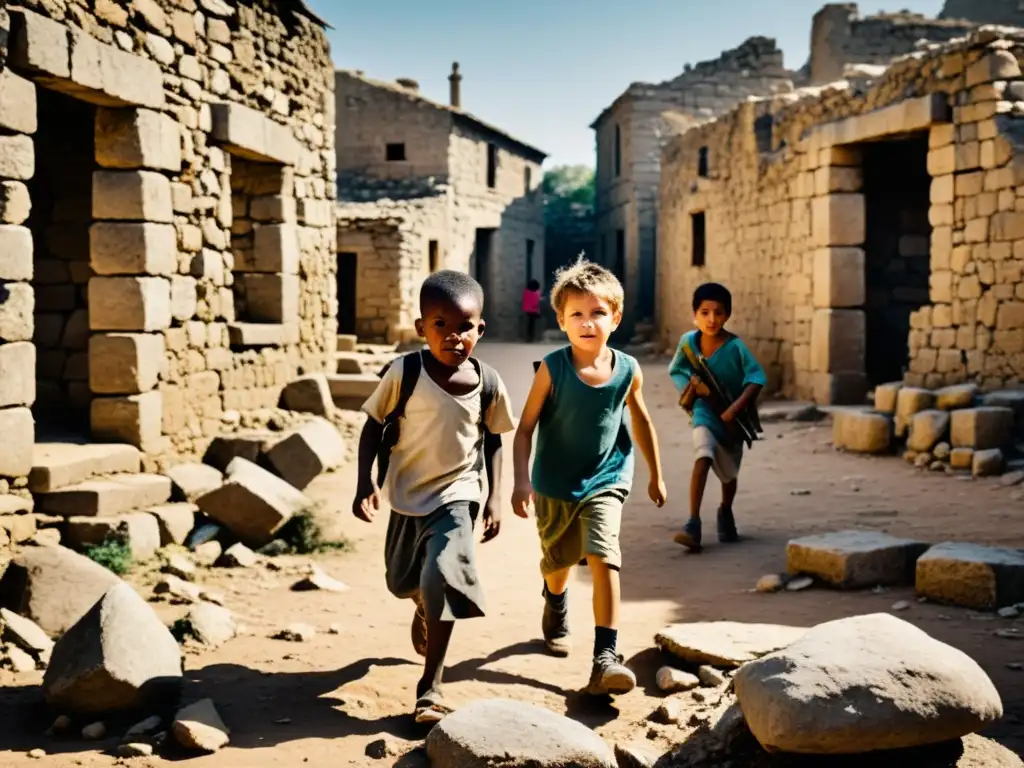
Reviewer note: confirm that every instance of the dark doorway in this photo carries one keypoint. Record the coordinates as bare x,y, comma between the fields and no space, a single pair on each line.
61,214
482,249
619,267
897,250
348,267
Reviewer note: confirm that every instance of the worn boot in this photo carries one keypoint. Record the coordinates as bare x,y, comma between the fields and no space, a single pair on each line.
555,625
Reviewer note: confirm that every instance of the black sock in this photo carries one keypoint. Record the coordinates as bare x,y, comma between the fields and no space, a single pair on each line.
556,601
604,640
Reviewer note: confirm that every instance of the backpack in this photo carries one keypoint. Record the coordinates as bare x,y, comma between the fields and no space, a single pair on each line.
412,363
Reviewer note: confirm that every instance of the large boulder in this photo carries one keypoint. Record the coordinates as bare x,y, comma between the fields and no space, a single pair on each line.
118,657
510,734
314,448
725,643
862,684
53,586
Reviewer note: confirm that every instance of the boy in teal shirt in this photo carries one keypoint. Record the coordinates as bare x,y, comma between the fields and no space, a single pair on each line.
583,469
717,440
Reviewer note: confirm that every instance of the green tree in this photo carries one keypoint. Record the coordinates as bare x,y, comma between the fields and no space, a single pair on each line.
569,186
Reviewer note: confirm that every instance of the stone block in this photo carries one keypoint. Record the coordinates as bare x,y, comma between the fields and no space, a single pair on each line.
991,67
961,458
132,196
139,530
316,213
886,395
347,342
58,465
17,103
987,463
839,277
135,419
855,559
117,248
348,362
107,76
19,431
129,304
16,250
39,44
273,209
105,498
190,481
847,388
956,396
1007,398
981,428
838,219
256,334
17,374
17,157
299,458
276,249
927,429
838,340
911,400
175,521
861,431
271,298
253,504
971,575
137,138
308,394
226,448
125,363
247,133
18,528
15,203
184,297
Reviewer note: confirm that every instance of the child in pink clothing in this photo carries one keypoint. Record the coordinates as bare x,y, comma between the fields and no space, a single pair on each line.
531,307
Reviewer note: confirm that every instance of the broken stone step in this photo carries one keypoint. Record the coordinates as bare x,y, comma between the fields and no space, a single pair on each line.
971,575
246,445
349,362
347,342
106,497
15,505
59,465
855,559
139,530
350,390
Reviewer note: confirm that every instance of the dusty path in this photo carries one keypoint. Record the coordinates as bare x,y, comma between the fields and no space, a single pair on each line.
321,702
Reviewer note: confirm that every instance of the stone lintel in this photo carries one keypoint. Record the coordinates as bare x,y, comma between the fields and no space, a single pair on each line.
247,133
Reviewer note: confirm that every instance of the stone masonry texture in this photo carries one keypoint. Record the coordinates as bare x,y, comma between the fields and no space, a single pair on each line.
424,185
174,192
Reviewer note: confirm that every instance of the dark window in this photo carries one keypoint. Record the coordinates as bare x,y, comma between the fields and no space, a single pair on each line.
432,255
697,239
529,259
618,151
763,127
620,255
492,166
395,152
527,180
702,162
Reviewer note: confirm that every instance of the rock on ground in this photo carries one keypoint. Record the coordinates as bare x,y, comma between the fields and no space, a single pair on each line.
971,575
861,431
862,684
927,429
671,680
190,481
119,656
855,559
198,726
237,556
493,732
53,586
309,451
25,634
725,643
211,625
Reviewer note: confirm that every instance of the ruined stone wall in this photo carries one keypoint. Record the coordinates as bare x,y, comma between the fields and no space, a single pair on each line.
180,91
646,117
391,242
786,224
1007,12
839,37
514,207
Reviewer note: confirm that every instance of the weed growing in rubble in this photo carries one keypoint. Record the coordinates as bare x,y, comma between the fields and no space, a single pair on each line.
113,554
304,536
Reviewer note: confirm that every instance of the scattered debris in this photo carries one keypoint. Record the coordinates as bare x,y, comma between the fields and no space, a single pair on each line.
317,579
296,633
198,726
672,680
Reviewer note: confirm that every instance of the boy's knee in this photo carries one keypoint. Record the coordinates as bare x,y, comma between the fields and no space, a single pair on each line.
702,464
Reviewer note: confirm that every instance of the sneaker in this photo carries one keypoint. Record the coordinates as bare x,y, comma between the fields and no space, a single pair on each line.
419,629
727,526
610,676
689,537
555,626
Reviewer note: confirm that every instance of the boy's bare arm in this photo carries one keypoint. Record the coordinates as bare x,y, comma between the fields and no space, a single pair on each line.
493,459
748,396
522,445
367,494
646,438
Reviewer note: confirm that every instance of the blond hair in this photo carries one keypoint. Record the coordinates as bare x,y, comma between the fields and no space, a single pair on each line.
586,277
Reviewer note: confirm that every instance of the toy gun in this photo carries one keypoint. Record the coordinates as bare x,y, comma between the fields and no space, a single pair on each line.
719,398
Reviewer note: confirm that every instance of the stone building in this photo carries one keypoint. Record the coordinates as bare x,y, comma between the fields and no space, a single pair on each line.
629,136
425,186
867,234
166,219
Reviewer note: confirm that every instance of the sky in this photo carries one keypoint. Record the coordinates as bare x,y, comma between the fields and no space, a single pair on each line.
542,70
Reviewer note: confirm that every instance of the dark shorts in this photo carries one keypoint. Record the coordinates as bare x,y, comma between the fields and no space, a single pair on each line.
433,558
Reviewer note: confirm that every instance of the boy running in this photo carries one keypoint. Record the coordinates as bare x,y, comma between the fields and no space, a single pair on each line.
448,451
717,440
583,470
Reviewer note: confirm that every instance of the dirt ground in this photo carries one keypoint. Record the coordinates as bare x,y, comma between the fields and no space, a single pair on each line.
321,702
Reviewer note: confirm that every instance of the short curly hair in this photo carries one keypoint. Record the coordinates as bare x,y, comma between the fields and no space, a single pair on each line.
450,286
583,277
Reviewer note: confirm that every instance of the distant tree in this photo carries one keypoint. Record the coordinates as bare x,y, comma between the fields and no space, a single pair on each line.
569,186
569,192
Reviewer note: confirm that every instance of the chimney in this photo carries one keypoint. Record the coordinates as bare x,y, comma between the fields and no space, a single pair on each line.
454,89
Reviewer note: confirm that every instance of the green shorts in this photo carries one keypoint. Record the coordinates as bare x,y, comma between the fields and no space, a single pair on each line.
570,531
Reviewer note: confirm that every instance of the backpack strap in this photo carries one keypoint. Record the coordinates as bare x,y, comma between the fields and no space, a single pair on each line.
691,356
411,364
488,390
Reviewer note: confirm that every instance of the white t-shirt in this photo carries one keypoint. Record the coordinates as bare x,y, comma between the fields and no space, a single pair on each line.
436,458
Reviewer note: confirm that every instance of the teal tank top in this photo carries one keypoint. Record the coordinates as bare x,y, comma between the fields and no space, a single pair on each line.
583,445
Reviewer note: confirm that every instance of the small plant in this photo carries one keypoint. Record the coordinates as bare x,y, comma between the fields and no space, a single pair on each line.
114,554
304,536
182,630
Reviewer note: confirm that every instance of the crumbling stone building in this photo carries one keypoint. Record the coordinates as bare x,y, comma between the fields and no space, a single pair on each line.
867,234
166,220
629,136
425,186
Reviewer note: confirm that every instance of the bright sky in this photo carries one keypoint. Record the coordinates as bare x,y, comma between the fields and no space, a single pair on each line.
542,70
